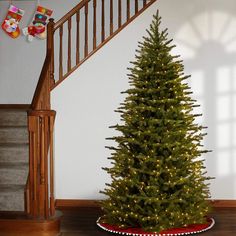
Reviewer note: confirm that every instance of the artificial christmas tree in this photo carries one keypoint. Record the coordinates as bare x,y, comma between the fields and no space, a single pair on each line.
158,178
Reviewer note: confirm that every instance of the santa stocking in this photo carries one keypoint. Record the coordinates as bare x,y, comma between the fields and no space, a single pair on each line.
11,22
38,26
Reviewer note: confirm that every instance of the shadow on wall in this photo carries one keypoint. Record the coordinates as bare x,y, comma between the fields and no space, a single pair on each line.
207,44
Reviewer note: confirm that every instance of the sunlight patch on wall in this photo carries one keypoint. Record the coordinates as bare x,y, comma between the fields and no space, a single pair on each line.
196,82
234,102
220,19
223,132
199,110
234,138
184,49
234,162
228,36
223,79
234,76
223,107
231,46
207,26
201,25
223,163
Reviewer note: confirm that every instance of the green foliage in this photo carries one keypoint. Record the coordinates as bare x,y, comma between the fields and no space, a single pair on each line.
158,180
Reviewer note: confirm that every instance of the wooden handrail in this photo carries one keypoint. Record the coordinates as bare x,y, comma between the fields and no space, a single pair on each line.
41,98
41,82
70,14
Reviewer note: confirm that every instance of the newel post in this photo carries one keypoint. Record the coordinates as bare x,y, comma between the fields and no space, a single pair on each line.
41,174
50,48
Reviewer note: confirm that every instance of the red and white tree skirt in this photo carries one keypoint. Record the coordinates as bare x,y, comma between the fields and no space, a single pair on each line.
191,229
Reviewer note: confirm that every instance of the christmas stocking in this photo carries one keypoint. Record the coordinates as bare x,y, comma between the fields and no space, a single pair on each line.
38,26
11,22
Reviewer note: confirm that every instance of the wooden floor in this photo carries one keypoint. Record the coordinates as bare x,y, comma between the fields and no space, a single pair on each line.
82,222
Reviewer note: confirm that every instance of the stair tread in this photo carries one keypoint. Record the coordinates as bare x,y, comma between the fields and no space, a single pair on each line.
15,107
14,165
15,118
14,135
18,153
15,110
13,126
12,109
23,144
5,188
13,145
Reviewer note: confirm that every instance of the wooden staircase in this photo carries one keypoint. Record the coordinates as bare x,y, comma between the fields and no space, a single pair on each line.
70,42
14,160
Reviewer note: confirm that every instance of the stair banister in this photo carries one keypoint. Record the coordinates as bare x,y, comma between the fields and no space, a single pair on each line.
133,8
39,199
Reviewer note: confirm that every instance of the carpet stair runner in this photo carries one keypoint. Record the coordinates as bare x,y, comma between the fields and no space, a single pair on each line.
13,158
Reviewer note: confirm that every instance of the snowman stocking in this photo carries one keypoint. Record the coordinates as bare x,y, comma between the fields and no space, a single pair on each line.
11,21
38,26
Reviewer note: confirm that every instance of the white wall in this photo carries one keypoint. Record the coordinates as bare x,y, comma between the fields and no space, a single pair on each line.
204,31
21,61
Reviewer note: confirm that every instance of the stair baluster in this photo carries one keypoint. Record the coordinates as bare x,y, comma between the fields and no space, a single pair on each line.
111,17
77,37
119,14
103,21
86,31
61,52
136,6
94,24
128,10
69,46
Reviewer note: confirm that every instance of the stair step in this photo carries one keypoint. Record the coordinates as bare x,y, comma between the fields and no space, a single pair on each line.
14,134
13,215
14,153
13,117
13,173
11,197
